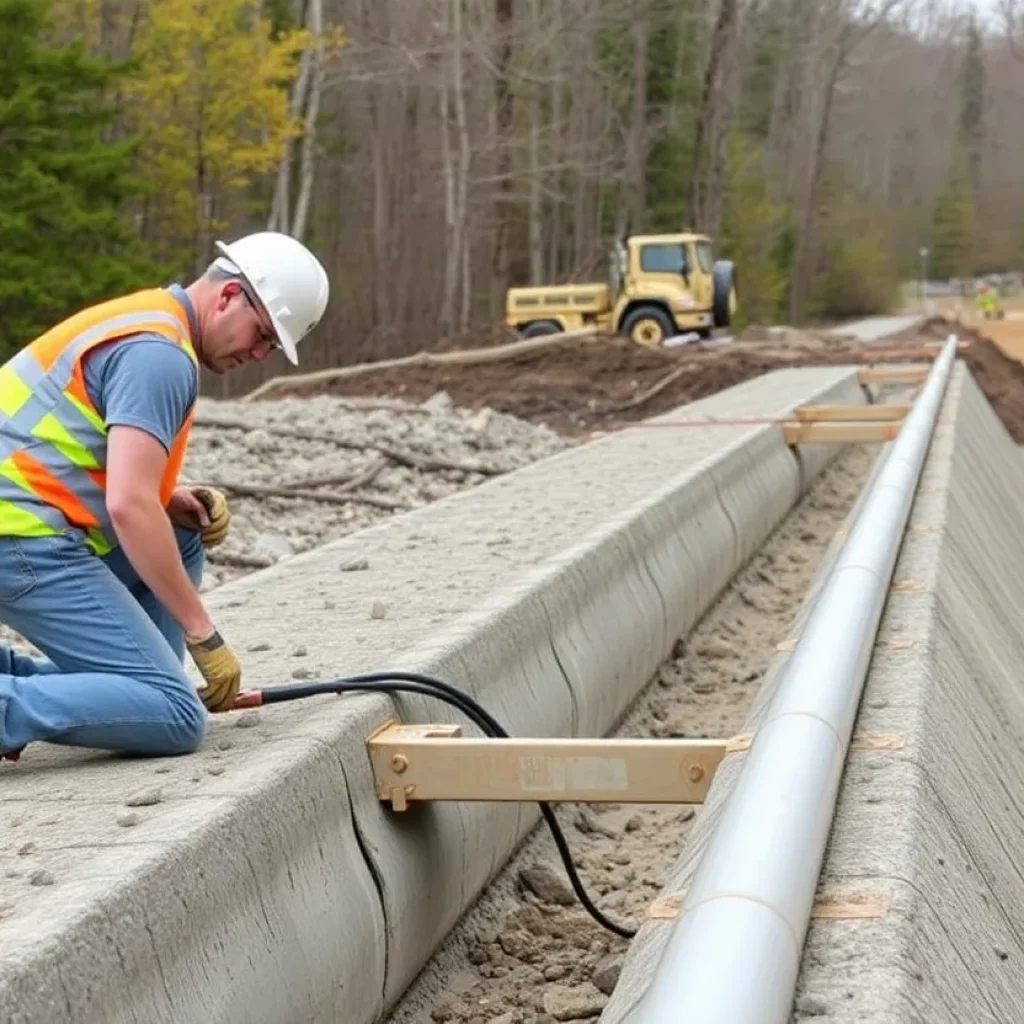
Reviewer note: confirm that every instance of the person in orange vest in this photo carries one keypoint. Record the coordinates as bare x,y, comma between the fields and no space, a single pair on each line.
101,548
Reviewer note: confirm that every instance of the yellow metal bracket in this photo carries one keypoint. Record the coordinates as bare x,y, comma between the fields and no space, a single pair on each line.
435,762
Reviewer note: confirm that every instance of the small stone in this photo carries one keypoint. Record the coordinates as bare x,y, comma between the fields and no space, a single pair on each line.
127,818
378,610
25,849
555,972
162,770
439,402
225,744
216,769
260,441
1001,953
145,797
40,877
505,1018
300,652
273,546
589,822
542,881
606,973
302,673
573,1003
811,1006
477,956
717,649
357,564
263,646
248,719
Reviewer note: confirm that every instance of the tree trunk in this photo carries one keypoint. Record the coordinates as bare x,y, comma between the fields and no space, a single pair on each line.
316,26
706,153
636,162
804,258
503,112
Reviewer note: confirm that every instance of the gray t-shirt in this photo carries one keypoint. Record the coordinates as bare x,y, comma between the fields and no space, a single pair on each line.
145,382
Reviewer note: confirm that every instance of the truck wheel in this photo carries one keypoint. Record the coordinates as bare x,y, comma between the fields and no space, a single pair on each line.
723,304
538,328
648,326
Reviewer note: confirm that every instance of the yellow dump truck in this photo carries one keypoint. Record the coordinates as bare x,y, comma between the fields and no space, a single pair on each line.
660,286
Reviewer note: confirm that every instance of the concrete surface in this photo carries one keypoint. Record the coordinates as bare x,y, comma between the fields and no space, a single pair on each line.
260,880
875,328
927,838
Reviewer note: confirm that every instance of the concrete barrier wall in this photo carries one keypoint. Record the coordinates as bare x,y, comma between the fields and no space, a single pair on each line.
920,902
263,881
931,835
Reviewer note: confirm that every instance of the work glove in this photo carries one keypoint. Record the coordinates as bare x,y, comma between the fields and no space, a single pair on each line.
215,528
219,667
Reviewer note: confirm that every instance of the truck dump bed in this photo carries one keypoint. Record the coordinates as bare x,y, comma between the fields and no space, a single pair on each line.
547,300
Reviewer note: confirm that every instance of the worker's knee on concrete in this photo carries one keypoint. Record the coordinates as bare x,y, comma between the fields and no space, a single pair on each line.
190,726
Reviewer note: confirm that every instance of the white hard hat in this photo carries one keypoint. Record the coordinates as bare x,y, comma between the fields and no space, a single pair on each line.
286,277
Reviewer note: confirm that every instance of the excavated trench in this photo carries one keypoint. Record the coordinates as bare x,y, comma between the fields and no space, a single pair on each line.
527,952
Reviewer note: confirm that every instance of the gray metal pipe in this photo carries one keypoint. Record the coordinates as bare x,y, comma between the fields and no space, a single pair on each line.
735,951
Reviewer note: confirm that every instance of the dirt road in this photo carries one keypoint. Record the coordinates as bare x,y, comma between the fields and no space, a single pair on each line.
527,953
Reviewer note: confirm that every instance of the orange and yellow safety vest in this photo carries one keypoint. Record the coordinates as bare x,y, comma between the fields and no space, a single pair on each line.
53,442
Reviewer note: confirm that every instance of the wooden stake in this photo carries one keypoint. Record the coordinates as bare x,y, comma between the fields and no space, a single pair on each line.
894,373
850,413
839,433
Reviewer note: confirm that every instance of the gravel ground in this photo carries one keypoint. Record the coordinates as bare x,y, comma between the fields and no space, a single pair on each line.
355,461
527,953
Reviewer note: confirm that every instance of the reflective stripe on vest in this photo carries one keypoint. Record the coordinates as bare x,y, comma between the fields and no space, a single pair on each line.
53,442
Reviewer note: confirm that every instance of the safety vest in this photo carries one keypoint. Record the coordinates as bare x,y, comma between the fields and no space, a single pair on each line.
53,442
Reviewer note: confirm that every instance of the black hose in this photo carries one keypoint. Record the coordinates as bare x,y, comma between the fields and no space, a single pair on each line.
399,681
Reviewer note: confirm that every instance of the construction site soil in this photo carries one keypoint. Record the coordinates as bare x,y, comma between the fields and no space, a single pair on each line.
587,384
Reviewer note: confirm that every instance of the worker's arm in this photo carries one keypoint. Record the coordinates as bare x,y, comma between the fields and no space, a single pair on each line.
135,466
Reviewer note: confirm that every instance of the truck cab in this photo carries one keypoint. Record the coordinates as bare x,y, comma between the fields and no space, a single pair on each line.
659,286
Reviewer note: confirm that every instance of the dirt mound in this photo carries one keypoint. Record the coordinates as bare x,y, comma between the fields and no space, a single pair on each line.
592,383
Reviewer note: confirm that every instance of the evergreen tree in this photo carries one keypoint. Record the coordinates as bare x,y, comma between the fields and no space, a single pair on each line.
952,227
755,235
64,242
972,106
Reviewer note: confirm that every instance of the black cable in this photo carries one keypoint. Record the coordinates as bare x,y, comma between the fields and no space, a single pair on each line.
399,681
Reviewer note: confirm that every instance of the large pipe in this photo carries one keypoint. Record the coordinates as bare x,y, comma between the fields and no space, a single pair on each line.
734,952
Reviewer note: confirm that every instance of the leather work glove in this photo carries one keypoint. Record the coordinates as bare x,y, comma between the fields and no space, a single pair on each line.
213,526
219,667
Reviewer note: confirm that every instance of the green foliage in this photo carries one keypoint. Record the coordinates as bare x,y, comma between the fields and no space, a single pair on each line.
210,104
63,241
672,86
766,63
952,228
857,277
972,104
755,235
857,273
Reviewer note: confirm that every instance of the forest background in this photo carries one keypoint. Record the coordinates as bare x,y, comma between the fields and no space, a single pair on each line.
435,152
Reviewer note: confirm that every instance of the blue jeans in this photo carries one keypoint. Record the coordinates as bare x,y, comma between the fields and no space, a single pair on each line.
113,676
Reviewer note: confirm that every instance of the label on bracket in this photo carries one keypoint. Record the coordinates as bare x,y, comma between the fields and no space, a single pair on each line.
569,774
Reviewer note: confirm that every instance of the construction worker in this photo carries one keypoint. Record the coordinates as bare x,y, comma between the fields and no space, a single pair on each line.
101,549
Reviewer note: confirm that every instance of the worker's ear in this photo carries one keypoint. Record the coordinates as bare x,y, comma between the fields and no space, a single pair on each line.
228,291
